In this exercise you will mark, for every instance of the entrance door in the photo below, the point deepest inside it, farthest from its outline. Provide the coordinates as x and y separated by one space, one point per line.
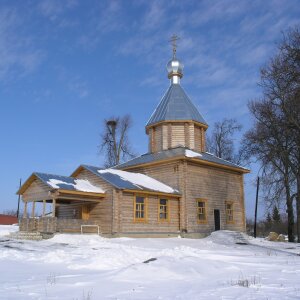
217 219
85 213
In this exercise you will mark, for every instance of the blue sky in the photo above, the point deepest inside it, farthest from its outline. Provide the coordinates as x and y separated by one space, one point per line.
67 65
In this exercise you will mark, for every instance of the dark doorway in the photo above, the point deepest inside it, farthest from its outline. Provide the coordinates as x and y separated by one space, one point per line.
217 219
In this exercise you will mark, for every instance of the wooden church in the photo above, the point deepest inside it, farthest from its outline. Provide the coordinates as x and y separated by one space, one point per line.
176 188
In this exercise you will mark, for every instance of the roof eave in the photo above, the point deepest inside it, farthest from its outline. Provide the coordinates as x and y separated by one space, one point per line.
205 162
29 181
157 193
196 160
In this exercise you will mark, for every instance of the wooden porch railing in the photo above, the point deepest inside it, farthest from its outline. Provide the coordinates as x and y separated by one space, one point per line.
54 224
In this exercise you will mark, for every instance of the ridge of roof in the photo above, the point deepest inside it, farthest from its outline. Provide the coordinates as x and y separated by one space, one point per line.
124 180
175 105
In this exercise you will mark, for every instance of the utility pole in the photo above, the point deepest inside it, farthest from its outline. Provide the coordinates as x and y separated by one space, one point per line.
256 201
19 199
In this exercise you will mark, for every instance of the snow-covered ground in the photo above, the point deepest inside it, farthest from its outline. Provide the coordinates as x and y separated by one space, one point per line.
89 267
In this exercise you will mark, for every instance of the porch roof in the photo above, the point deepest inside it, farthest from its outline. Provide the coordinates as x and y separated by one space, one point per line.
63 184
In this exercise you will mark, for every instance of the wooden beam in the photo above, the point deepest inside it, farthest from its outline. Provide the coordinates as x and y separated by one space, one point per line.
77 198
25 210
44 207
53 207
33 209
152 193
90 194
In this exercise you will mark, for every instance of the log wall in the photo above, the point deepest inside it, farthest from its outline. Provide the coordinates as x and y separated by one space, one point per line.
196 181
36 191
171 135
152 223
101 212
216 186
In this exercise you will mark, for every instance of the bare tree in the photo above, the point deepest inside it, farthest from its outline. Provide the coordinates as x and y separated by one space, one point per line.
270 143
275 136
281 83
221 140
114 140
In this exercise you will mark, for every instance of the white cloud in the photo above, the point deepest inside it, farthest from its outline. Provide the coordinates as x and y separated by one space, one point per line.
105 18
154 17
52 9
110 17
74 83
18 54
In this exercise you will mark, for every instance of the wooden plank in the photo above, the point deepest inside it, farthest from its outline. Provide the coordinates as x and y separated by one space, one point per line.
44 207
53 207
33 209
25 210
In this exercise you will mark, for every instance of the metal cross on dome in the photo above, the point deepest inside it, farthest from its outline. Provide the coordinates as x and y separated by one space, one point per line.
173 41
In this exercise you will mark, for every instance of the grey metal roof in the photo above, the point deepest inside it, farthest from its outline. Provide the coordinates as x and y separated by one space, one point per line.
112 179
46 177
176 152
116 180
175 105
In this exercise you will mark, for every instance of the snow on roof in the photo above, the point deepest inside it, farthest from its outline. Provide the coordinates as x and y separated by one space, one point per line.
78 184
140 181
190 153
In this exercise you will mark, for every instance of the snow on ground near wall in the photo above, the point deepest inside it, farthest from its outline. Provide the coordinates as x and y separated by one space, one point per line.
141 180
92 267
80 185
6 229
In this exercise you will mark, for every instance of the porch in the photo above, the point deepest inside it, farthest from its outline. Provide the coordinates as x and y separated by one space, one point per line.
61 211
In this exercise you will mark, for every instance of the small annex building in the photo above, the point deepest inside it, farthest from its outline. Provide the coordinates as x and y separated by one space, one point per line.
175 188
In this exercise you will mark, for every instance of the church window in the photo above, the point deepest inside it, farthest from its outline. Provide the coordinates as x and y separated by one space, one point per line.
229 212
140 208
201 211
163 209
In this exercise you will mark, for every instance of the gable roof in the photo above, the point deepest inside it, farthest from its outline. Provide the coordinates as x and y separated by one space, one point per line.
182 152
129 180
175 105
61 182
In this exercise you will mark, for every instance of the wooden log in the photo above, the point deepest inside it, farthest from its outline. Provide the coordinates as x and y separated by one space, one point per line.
25 210
53 207
33 209
44 207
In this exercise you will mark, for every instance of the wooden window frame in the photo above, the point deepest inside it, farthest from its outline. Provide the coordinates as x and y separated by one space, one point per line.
167 212
227 214
198 208
140 220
